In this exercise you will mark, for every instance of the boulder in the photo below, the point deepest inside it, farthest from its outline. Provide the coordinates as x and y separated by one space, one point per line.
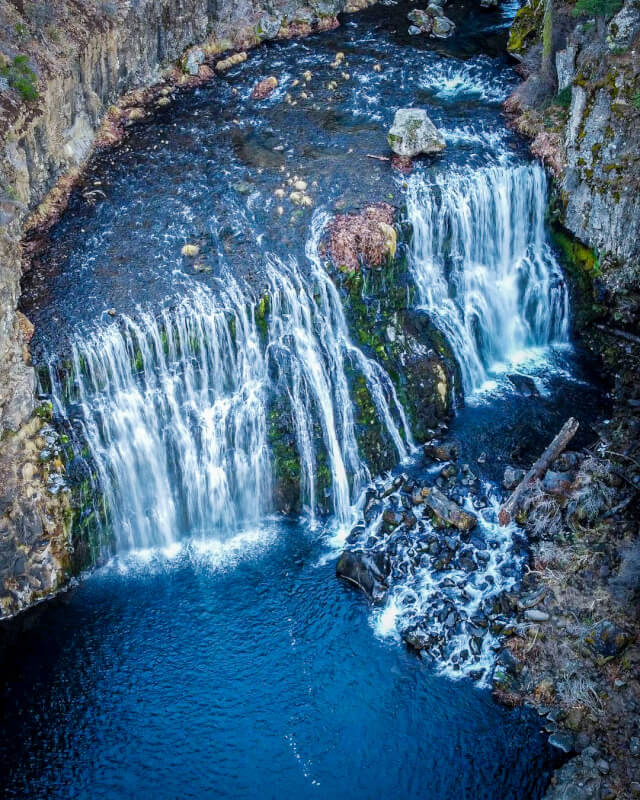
421 19
431 21
413 133
441 450
417 638
368 571
193 60
264 88
449 512
624 27
442 27
608 639
512 477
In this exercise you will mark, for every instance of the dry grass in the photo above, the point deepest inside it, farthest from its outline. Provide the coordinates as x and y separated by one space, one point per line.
592 493
576 690
543 514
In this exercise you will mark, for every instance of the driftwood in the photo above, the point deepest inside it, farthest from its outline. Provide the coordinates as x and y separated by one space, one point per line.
567 432
378 158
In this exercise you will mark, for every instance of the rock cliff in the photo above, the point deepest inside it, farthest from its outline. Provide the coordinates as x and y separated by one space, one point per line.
585 120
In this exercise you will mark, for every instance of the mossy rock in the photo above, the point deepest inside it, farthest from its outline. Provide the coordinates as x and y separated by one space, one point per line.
582 268
417 358
526 28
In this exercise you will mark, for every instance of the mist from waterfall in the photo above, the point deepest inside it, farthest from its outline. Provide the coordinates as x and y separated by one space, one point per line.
483 267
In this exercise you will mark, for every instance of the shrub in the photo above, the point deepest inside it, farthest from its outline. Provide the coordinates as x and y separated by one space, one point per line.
597 8
21 77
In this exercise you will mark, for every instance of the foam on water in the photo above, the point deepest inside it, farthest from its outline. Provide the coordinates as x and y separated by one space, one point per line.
444 605
475 80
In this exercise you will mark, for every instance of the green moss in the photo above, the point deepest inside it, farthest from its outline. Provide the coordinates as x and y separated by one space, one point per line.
45 411
526 27
138 362
263 309
576 255
597 8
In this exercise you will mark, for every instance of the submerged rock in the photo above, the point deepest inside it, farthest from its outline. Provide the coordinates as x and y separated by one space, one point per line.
524 384
367 571
264 88
413 133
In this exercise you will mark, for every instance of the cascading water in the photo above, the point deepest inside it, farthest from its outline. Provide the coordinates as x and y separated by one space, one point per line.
176 407
483 267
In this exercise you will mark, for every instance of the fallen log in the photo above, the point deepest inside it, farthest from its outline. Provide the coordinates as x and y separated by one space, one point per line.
378 158
567 432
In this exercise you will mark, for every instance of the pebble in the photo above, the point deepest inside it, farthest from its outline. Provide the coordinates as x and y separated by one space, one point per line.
603 766
634 746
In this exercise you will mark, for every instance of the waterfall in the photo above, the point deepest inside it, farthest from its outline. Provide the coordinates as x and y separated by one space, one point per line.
175 406
483 267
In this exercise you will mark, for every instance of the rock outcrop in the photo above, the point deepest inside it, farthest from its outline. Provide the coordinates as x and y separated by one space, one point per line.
588 134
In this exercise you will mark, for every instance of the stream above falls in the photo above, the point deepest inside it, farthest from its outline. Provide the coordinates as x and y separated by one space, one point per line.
214 651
